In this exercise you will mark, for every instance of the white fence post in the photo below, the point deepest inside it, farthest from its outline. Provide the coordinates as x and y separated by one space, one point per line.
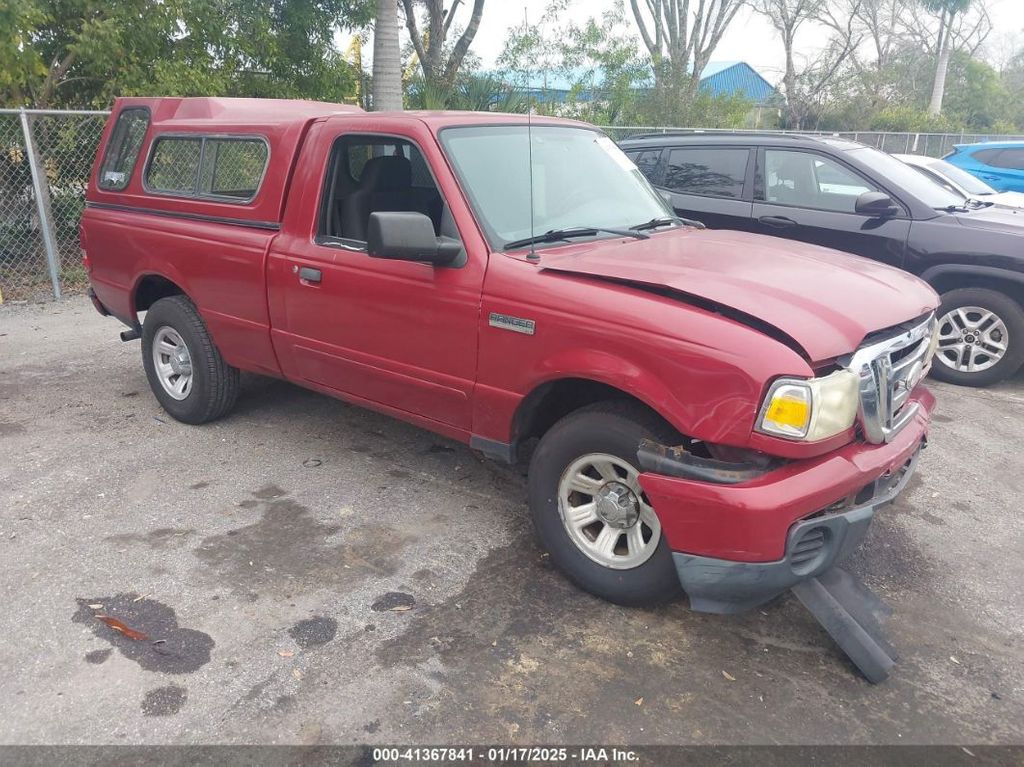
41 190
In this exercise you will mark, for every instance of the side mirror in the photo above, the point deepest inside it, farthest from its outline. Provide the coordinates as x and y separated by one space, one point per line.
876 205
408 236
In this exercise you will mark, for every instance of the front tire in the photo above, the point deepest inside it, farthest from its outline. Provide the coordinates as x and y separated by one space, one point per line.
981 337
589 511
186 371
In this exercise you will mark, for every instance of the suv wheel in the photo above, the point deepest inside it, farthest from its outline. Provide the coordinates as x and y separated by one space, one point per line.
981 337
185 370
589 510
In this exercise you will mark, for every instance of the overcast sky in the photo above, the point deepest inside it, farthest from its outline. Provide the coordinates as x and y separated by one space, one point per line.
750 38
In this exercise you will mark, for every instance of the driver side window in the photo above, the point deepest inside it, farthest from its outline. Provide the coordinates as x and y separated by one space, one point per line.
809 180
366 174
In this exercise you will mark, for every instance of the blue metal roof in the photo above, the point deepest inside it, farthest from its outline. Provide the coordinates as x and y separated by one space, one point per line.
726 78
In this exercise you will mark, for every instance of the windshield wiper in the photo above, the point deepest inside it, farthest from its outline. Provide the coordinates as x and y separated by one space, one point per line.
963 208
974 202
557 235
654 223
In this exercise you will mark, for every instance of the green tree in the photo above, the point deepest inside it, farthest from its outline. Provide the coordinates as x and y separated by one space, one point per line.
85 52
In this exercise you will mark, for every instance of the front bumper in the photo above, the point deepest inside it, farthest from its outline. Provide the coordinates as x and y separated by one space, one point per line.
738 545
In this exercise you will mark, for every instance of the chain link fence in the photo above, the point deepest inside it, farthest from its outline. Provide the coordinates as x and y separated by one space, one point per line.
45 160
46 157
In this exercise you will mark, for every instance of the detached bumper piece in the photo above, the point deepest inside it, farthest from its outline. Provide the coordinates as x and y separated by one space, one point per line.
852 615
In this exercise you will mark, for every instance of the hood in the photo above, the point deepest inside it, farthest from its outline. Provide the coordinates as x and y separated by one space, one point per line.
824 300
994 219
1005 199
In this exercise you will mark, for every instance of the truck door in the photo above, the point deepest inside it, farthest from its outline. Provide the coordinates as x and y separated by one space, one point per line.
398 334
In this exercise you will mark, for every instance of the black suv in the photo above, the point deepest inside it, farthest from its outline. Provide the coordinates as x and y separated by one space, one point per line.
851 197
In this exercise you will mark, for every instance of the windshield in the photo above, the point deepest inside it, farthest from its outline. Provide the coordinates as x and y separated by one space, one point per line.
580 179
971 184
902 175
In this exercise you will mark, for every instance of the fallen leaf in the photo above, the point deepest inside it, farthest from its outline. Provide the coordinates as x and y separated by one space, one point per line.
96 607
639 701
140 598
954 659
728 676
117 625
296 673
285 653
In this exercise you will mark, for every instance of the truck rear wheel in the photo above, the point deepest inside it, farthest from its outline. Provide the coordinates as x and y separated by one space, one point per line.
186 372
589 510
981 337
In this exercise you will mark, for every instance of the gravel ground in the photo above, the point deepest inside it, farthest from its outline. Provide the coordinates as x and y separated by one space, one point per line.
322 574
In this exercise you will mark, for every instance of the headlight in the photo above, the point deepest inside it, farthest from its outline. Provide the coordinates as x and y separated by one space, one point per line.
810 409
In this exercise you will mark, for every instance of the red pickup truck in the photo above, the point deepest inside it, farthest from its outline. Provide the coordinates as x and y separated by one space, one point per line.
712 412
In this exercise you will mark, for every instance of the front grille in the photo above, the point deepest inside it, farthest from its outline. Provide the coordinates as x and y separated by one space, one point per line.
888 370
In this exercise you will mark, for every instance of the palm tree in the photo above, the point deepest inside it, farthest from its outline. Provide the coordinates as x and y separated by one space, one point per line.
947 10
387 61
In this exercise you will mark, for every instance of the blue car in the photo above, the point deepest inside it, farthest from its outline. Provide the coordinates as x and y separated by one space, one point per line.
1000 164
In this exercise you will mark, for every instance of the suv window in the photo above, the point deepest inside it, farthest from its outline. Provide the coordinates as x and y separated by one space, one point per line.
123 148
711 172
375 173
646 160
229 168
809 180
986 155
1008 158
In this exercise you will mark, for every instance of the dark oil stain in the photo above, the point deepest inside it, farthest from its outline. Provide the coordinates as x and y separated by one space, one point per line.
164 701
269 492
284 703
247 504
98 656
361 449
424 574
435 448
372 727
10 429
961 506
198 485
314 632
399 474
286 549
940 418
169 647
161 538
392 600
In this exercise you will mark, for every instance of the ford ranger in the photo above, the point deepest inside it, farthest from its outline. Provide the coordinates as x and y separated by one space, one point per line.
711 412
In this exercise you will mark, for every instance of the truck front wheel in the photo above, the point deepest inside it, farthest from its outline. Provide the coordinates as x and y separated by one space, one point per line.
589 510
186 372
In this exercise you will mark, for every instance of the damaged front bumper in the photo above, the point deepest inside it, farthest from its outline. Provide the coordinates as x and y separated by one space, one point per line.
738 541
813 546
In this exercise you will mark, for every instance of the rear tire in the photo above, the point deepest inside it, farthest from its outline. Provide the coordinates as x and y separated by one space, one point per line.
973 324
186 371
621 555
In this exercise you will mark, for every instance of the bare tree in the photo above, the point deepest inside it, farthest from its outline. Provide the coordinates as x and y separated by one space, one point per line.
387 62
803 87
440 64
681 38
